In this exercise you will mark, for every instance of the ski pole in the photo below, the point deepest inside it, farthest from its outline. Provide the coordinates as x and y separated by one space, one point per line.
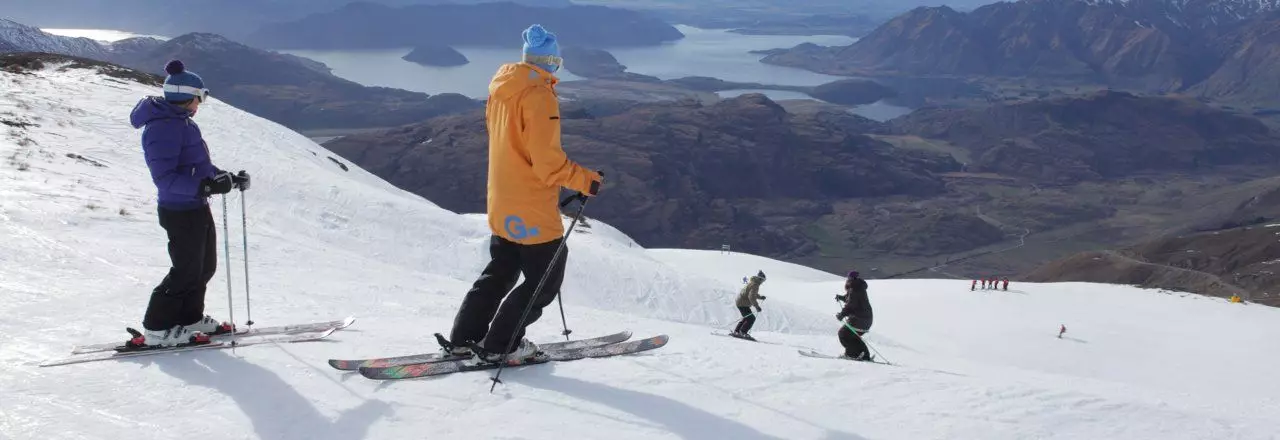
864 342
226 252
560 298
538 290
244 232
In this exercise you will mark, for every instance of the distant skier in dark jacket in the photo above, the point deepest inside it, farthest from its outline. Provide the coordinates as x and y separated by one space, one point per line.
178 159
856 313
748 297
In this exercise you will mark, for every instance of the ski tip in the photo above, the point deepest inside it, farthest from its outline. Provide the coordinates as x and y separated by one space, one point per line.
347 322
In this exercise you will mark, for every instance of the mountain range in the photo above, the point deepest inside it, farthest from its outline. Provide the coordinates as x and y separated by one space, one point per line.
1216 48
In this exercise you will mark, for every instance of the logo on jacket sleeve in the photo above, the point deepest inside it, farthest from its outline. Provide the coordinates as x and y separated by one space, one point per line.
516 229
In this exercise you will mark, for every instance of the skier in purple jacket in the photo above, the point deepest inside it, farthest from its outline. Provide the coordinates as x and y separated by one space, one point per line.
184 177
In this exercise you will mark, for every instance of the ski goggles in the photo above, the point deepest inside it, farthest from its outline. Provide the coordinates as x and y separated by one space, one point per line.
202 94
548 60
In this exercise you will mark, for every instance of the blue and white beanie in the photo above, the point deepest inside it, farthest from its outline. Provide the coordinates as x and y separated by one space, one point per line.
182 85
542 49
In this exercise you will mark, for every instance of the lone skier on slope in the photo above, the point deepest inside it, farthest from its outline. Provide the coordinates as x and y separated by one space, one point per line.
527 168
748 297
856 313
178 159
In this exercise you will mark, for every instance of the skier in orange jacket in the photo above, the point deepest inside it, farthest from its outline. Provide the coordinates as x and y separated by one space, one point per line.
527 168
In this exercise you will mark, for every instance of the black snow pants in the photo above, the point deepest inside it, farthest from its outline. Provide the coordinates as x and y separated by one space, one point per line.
748 320
854 347
485 315
193 254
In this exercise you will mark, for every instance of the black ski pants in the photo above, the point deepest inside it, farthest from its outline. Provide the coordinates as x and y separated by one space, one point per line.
748 320
853 343
485 315
193 254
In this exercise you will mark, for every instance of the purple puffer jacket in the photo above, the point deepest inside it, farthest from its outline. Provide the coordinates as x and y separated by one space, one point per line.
175 152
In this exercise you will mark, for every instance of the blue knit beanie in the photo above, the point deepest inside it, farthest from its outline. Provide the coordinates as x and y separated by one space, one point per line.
182 85
541 48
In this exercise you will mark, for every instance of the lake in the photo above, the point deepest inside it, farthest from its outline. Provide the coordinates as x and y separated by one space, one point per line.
714 53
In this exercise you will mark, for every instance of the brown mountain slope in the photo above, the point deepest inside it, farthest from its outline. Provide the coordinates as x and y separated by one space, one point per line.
1100 136
742 170
1242 261
1250 72
830 189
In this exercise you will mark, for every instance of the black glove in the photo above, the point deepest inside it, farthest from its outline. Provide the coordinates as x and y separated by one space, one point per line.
839 317
840 298
220 183
758 309
762 297
241 180
595 184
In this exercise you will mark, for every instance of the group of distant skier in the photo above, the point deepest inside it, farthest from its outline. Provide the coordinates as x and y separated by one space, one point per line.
855 314
992 283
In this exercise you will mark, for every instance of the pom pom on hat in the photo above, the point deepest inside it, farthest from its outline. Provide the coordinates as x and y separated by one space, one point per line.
175 67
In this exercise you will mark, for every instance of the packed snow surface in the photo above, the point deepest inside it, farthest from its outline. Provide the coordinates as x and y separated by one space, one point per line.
80 250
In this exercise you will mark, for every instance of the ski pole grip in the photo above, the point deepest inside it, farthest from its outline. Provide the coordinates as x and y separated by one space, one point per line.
570 199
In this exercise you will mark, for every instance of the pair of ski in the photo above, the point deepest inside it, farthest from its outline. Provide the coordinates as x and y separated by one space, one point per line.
436 364
815 354
258 335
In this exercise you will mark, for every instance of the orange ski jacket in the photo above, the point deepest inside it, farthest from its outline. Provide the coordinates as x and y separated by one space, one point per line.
527 166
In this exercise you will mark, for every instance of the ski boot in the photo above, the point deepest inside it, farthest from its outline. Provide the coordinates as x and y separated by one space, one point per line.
210 326
177 336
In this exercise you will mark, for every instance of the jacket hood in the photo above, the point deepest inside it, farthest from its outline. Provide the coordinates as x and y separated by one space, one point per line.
152 108
514 78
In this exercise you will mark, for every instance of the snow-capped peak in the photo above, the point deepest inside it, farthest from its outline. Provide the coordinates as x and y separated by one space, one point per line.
30 39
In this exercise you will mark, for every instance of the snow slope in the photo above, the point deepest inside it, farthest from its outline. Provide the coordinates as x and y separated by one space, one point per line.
80 250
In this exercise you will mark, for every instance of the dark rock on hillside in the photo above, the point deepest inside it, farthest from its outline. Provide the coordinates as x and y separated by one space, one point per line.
436 55
1105 135
680 174
368 25
287 90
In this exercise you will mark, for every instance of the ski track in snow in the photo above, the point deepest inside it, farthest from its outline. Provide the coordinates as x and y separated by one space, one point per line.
80 250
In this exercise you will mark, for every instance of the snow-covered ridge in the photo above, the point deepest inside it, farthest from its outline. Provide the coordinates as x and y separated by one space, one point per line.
22 38
31 39
1212 10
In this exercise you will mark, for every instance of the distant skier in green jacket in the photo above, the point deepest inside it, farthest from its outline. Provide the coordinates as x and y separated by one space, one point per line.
747 298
